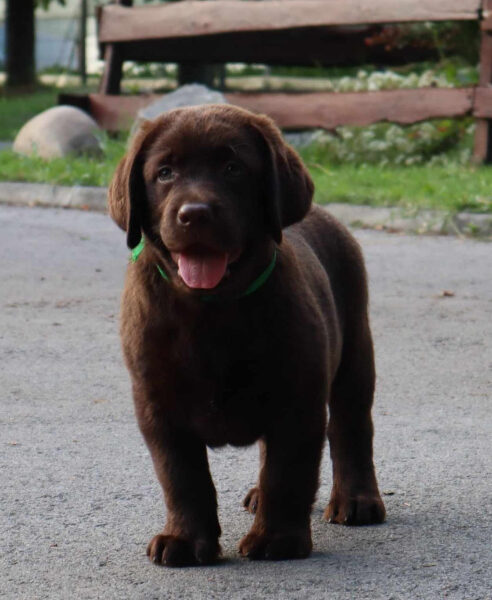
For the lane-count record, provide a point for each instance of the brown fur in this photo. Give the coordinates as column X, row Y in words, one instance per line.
column 240, row 370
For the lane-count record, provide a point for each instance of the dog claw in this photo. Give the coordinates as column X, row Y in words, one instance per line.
column 174, row 551
column 280, row 546
column 362, row 509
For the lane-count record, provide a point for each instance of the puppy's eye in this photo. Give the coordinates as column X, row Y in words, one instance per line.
column 165, row 173
column 234, row 169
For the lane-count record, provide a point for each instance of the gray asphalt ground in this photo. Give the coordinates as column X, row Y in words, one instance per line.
column 79, row 500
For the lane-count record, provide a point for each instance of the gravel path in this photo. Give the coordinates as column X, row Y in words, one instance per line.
column 79, row 499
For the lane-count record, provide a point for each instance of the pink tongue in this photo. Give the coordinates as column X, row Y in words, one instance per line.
column 202, row 270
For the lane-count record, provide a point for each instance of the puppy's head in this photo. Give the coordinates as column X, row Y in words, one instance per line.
column 211, row 187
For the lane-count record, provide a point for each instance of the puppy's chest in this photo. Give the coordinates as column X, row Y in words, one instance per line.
column 225, row 380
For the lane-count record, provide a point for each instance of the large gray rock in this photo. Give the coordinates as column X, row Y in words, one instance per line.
column 192, row 94
column 58, row 132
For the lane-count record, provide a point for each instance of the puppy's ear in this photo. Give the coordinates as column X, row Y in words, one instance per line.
column 126, row 192
column 288, row 186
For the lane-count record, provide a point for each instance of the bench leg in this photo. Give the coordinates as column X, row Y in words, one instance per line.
column 113, row 68
column 482, row 152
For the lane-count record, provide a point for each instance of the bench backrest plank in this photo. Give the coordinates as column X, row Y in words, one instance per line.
column 194, row 18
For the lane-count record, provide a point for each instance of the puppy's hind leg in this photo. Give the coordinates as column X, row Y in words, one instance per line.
column 355, row 498
column 250, row 502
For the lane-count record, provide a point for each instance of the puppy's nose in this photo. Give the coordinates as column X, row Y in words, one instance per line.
column 194, row 214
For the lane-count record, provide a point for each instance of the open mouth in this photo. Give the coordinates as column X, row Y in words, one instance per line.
column 201, row 267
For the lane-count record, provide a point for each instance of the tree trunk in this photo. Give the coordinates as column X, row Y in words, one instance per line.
column 19, row 47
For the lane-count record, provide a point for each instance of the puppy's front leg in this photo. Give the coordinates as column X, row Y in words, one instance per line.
column 286, row 490
column 192, row 529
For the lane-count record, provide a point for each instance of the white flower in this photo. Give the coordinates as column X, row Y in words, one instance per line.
column 377, row 145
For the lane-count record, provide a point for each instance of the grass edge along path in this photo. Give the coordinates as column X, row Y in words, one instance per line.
column 452, row 188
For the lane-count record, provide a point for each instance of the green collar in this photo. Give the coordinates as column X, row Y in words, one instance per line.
column 252, row 287
column 137, row 251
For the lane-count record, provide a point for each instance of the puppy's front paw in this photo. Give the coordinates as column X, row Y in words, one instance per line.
column 277, row 546
column 174, row 551
column 250, row 501
column 359, row 509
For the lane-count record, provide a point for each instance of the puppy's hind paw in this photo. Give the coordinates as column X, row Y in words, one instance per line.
column 250, row 502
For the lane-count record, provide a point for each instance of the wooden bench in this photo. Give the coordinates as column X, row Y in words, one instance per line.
column 296, row 32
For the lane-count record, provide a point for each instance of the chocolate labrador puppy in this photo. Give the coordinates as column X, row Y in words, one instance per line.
column 244, row 315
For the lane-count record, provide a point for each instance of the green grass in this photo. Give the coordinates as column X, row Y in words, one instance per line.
column 452, row 188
